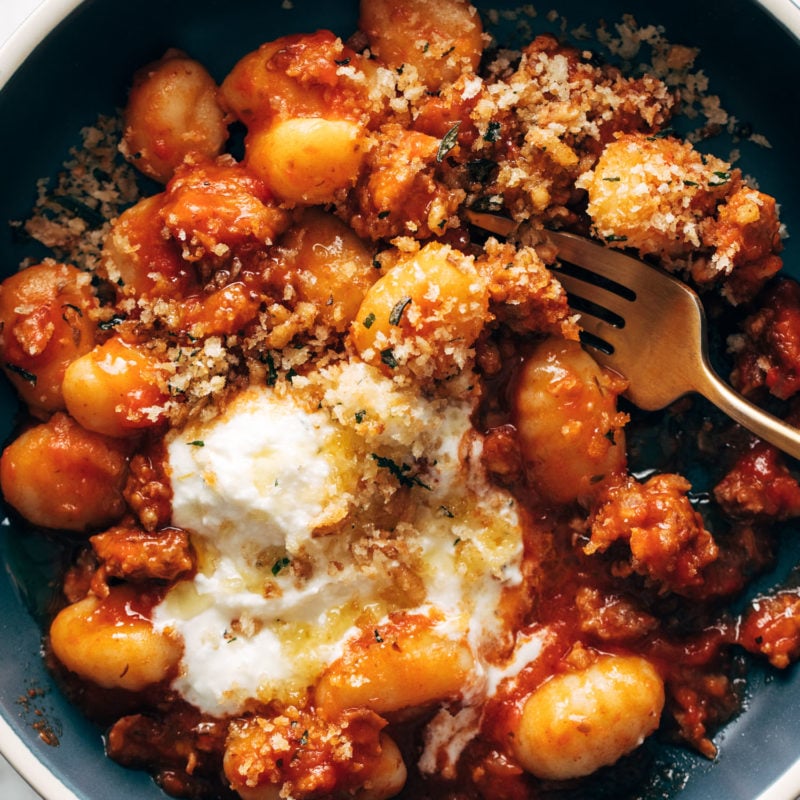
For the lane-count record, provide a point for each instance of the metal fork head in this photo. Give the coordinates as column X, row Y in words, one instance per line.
column 637, row 320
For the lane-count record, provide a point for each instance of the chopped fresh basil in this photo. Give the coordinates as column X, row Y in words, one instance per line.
column 723, row 178
column 492, row 132
column 387, row 357
column 280, row 564
column 272, row 373
column 400, row 472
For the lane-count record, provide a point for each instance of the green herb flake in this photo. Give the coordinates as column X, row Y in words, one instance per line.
column 304, row 739
column 280, row 564
column 614, row 238
column 723, row 178
column 492, row 132
column 690, row 183
column 383, row 214
column 378, row 637
column 397, row 312
column 360, row 415
column 400, row 472
column 369, row 320
column 272, row 373
column 447, row 512
column 615, row 179
column 448, row 142
column 197, row 443
column 387, row 357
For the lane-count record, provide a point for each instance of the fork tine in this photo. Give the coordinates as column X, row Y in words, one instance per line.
column 623, row 270
column 589, row 298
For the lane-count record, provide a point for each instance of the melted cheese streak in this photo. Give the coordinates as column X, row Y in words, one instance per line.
column 312, row 523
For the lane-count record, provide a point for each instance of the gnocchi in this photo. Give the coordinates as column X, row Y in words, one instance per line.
column 307, row 159
column 59, row 475
column 427, row 309
column 396, row 669
column 112, row 642
column 172, row 113
column 117, row 389
column 45, row 323
column 569, row 428
column 439, row 46
column 580, row 721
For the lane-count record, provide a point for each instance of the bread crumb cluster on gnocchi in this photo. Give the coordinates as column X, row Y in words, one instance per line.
column 349, row 510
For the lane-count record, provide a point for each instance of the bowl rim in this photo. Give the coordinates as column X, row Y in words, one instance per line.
column 20, row 44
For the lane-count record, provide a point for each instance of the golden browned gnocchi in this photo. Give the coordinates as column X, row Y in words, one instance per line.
column 580, row 721
column 654, row 193
column 409, row 666
column 308, row 159
column 425, row 312
column 569, row 428
column 112, row 642
column 328, row 265
column 62, row 476
column 45, row 323
column 440, row 45
column 117, row 389
column 172, row 113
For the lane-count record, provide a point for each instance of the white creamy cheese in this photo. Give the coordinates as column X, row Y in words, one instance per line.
column 281, row 501
column 257, row 476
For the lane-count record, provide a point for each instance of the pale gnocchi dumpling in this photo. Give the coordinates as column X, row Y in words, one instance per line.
column 580, row 721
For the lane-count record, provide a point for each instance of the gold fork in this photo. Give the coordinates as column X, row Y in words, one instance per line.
column 651, row 328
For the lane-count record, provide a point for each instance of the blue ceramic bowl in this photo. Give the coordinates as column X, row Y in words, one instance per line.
column 73, row 59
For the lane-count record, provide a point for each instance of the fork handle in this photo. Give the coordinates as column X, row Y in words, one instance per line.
column 764, row 425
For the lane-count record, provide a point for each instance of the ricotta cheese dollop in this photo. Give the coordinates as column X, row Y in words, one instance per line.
column 320, row 506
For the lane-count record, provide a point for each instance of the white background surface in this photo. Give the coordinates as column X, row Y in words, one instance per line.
column 12, row 13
